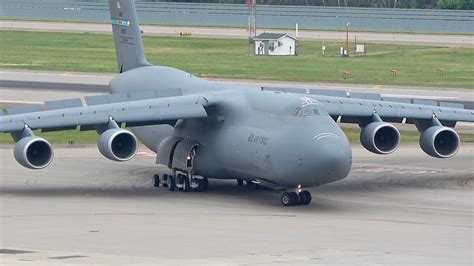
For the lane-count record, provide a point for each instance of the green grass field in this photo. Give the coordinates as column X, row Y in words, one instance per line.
column 229, row 58
column 91, row 137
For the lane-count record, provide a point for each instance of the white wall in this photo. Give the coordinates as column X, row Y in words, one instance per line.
column 257, row 45
column 283, row 49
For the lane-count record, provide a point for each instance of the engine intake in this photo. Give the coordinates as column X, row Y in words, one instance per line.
column 118, row 144
column 33, row 152
column 380, row 137
column 440, row 142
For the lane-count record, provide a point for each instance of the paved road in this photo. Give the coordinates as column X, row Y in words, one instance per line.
column 85, row 209
column 407, row 38
column 93, row 82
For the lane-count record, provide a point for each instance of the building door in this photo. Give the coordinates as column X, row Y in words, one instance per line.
column 266, row 45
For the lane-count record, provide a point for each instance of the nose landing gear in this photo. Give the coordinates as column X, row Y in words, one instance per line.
column 305, row 197
column 299, row 197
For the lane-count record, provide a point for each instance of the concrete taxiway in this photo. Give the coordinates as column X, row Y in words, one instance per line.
column 451, row 40
column 405, row 208
column 97, row 83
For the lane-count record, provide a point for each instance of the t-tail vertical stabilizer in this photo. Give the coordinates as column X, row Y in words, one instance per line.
column 128, row 42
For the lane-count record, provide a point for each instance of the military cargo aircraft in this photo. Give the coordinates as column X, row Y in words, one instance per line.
column 285, row 139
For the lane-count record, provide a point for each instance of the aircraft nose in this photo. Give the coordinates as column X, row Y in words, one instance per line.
column 317, row 160
column 333, row 158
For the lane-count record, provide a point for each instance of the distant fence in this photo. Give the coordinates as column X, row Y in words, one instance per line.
column 325, row 18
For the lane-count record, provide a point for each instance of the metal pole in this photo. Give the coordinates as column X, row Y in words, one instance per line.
column 347, row 38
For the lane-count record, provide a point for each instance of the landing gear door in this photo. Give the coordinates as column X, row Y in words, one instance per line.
column 164, row 153
column 184, row 155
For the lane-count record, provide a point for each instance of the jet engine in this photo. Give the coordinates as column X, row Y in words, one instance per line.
column 440, row 141
column 33, row 152
column 380, row 137
column 118, row 144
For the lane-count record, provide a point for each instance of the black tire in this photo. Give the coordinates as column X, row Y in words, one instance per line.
column 186, row 184
column 205, row 184
column 302, row 198
column 299, row 200
column 200, row 185
column 305, row 198
column 295, row 198
column 171, row 182
column 287, row 199
column 156, row 180
column 179, row 180
column 250, row 184
column 165, row 179
column 240, row 182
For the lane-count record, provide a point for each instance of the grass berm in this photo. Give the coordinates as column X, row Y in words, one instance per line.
column 229, row 58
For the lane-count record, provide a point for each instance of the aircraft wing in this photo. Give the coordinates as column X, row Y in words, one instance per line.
column 360, row 107
column 71, row 113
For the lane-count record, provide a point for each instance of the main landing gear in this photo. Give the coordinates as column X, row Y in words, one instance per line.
column 299, row 197
column 181, row 181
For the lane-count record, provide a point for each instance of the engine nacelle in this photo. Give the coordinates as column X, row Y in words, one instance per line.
column 440, row 142
column 33, row 152
column 380, row 137
column 118, row 144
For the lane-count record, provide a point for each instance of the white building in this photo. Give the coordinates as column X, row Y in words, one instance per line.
column 275, row 44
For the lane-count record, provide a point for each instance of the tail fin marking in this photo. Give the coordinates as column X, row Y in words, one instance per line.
column 128, row 41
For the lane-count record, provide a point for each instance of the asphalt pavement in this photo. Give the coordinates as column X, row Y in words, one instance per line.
column 84, row 209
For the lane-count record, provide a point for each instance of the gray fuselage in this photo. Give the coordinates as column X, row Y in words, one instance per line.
column 250, row 134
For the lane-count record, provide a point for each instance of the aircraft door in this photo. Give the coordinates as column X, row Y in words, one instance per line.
column 183, row 156
column 165, row 151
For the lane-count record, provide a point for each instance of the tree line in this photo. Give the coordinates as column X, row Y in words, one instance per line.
column 429, row 4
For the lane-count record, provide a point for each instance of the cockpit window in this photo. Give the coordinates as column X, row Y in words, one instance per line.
column 309, row 107
column 298, row 112
column 310, row 110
